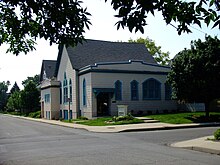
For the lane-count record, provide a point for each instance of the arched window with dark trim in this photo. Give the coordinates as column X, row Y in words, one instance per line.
column 84, row 92
column 118, row 90
column 151, row 89
column 61, row 93
column 134, row 90
column 70, row 89
column 65, row 89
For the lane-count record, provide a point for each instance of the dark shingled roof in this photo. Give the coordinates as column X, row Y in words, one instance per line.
column 94, row 51
column 49, row 66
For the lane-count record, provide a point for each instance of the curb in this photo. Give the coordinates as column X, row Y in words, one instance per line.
column 172, row 127
column 203, row 149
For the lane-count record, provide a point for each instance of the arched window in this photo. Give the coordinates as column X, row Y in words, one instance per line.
column 134, row 90
column 84, row 92
column 61, row 93
column 168, row 91
column 118, row 90
column 151, row 89
column 65, row 89
column 71, row 92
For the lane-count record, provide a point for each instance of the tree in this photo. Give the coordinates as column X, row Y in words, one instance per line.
column 133, row 13
column 22, row 21
column 35, row 79
column 30, row 97
column 64, row 21
column 14, row 101
column 14, row 88
column 161, row 57
column 195, row 73
column 3, row 93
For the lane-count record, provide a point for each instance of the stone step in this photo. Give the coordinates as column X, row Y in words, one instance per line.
column 148, row 120
column 144, row 118
column 151, row 121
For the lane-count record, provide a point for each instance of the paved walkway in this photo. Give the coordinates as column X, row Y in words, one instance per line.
column 200, row 144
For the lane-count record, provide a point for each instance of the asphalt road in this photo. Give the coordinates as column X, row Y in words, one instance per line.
column 24, row 142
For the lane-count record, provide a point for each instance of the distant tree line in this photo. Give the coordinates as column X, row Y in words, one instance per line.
column 22, row 101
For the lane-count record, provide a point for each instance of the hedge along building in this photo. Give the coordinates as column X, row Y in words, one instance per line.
column 92, row 79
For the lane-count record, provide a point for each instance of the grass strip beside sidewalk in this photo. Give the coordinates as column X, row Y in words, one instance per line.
column 186, row 118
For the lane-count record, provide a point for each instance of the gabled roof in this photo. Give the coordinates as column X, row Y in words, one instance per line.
column 94, row 51
column 48, row 66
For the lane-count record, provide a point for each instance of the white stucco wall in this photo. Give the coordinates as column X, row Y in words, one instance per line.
column 108, row 79
column 50, row 87
column 65, row 66
column 86, row 110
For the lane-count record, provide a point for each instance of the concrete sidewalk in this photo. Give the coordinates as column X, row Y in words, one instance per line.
column 200, row 144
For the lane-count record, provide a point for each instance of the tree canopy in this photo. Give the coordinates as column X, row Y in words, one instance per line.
column 35, row 79
column 30, row 98
column 133, row 13
column 3, row 93
column 22, row 21
column 14, row 88
column 161, row 57
column 64, row 21
column 195, row 72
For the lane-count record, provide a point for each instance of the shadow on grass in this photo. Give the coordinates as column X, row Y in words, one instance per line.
column 203, row 118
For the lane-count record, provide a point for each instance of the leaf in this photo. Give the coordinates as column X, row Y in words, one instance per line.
column 216, row 24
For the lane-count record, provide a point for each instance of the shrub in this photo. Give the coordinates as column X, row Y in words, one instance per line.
column 123, row 118
column 217, row 134
column 35, row 114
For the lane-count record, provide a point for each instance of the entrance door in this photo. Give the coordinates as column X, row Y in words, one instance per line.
column 103, row 100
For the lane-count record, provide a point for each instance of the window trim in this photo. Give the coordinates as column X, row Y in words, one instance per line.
column 65, row 89
column 70, row 91
column 132, row 90
column 143, row 90
column 118, row 98
column 84, row 92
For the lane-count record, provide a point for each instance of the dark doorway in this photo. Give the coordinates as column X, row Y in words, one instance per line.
column 103, row 100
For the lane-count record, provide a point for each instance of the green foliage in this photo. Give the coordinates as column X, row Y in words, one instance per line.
column 36, row 114
column 195, row 73
column 35, row 79
column 14, row 101
column 14, row 88
column 122, row 118
column 3, row 94
column 161, row 57
column 217, row 134
column 105, row 121
column 22, row 21
column 30, row 97
column 186, row 118
column 64, row 22
column 133, row 13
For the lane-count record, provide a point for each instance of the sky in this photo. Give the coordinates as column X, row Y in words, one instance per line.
column 18, row 68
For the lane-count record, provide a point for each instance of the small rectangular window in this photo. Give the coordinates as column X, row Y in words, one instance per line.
column 47, row 98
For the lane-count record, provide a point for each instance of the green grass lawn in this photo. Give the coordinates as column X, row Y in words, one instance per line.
column 104, row 121
column 185, row 118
